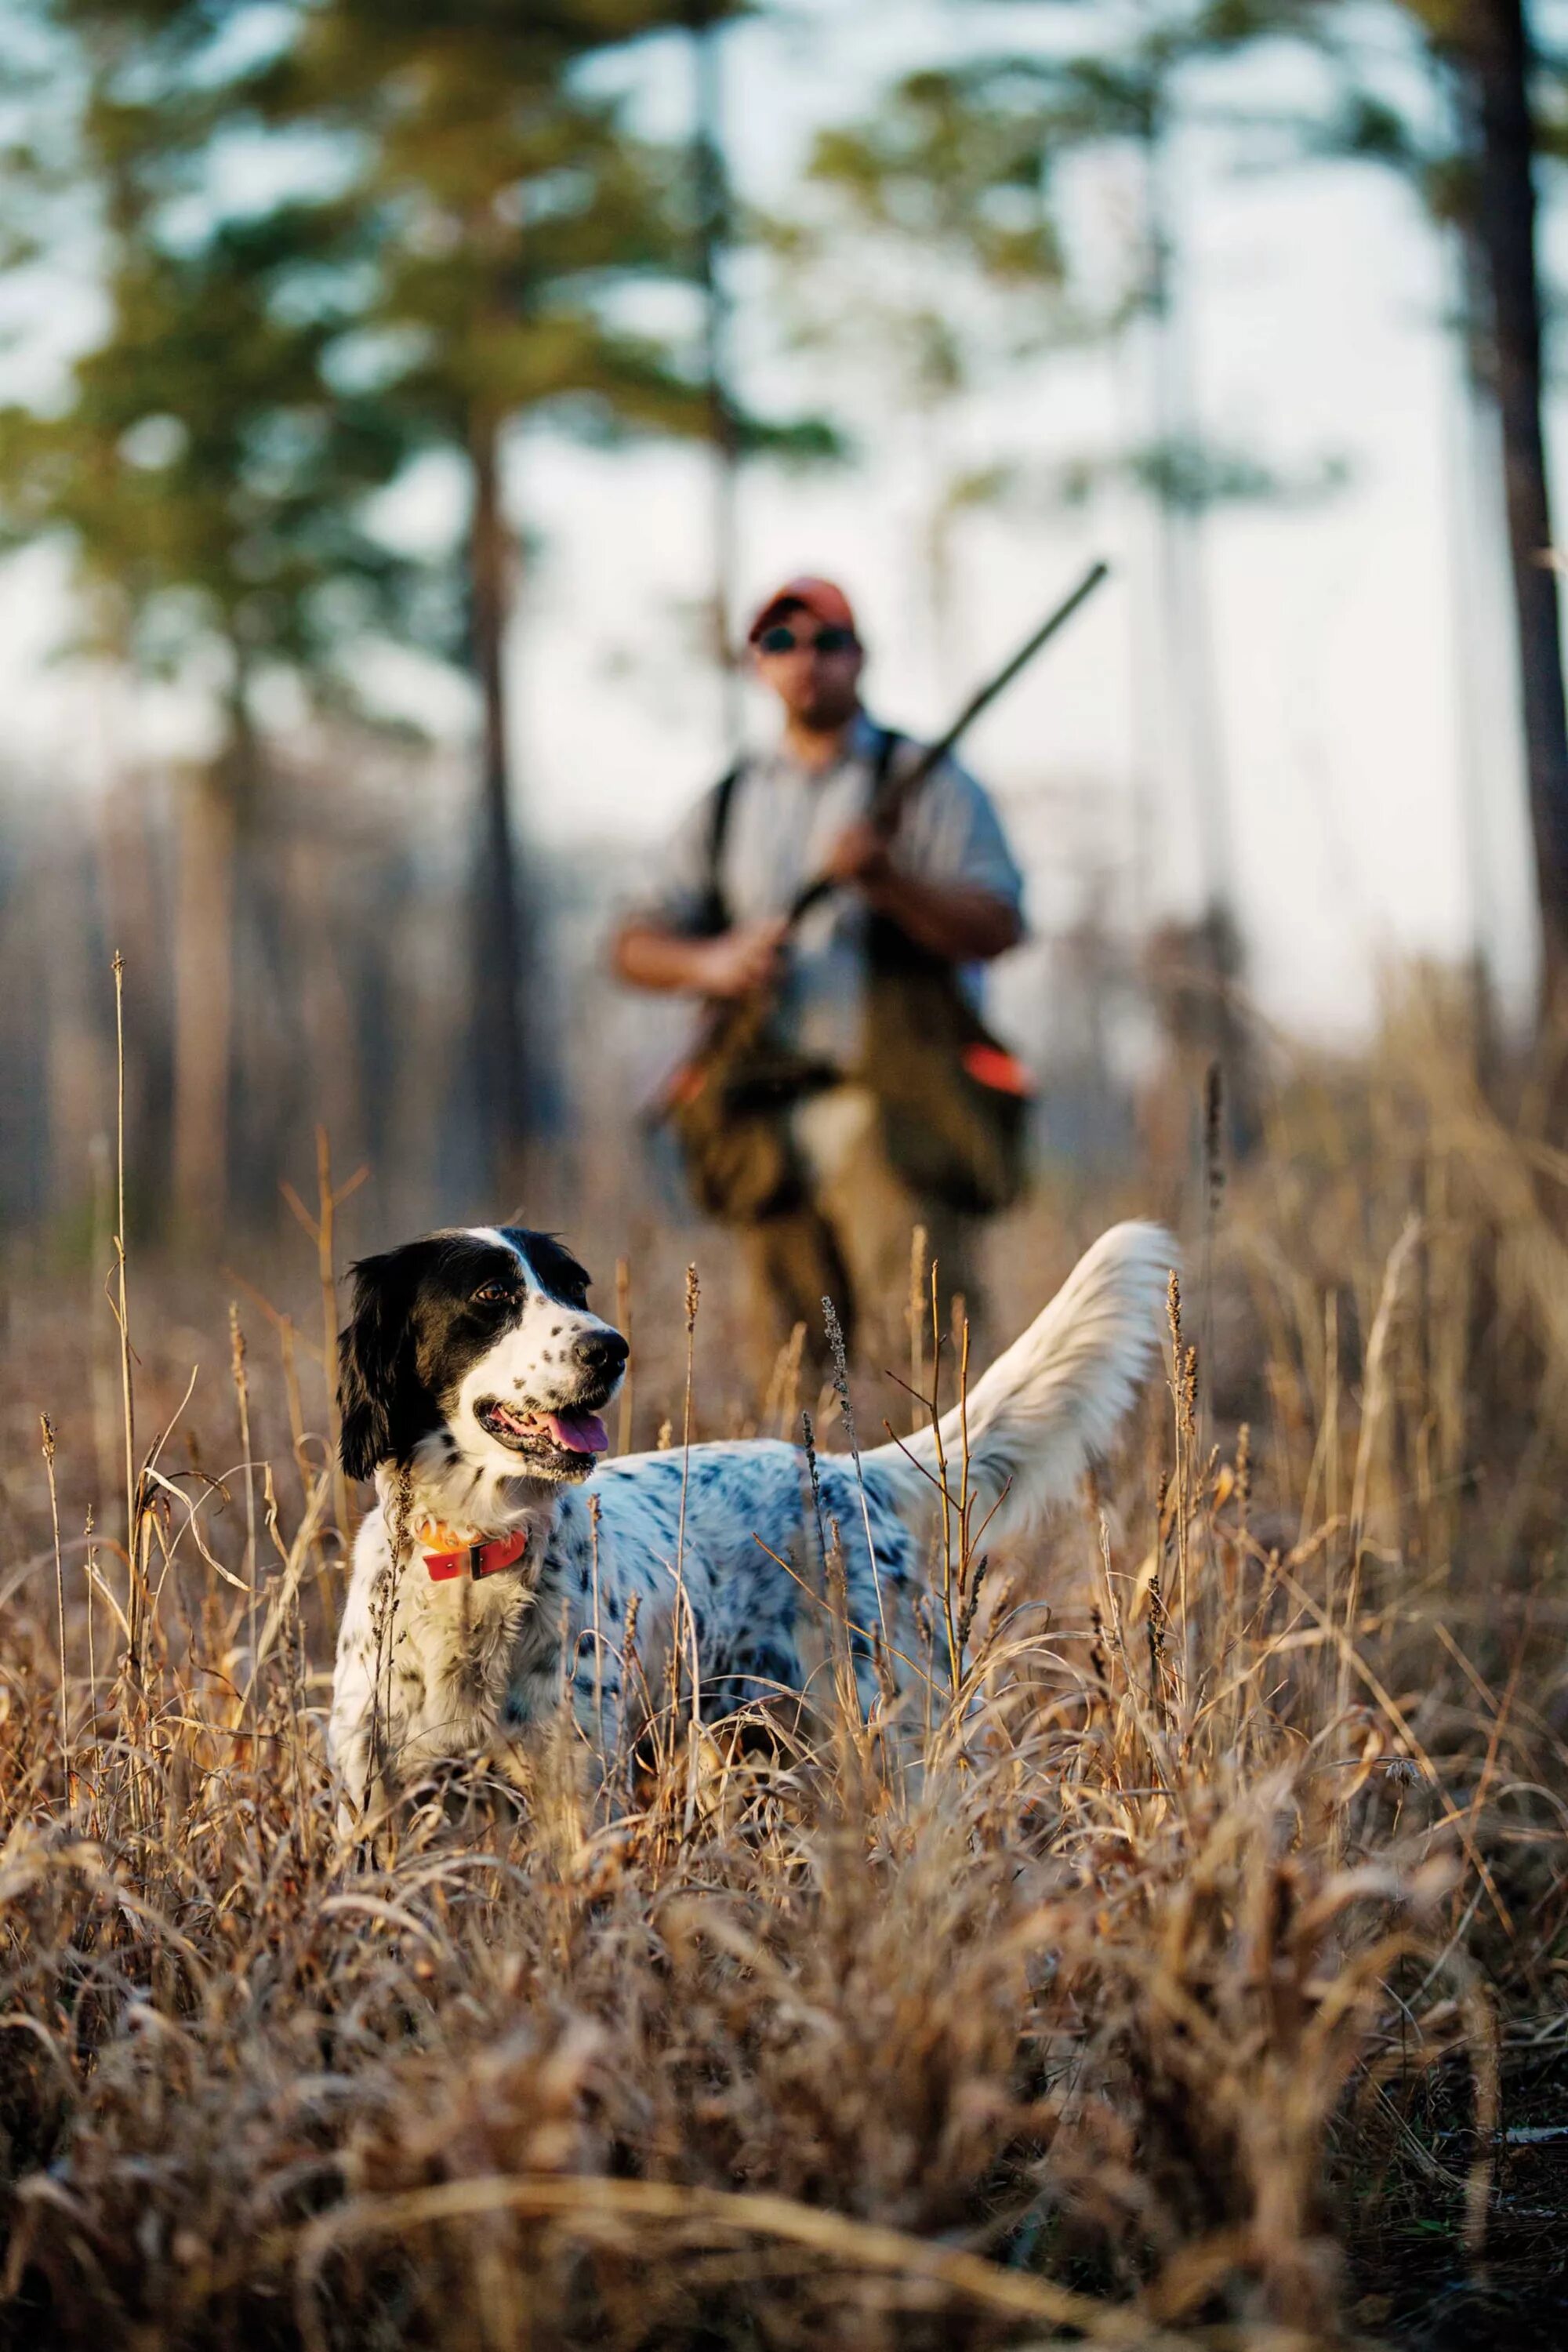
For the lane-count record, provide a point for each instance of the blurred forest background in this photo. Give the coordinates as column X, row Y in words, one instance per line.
column 407, row 402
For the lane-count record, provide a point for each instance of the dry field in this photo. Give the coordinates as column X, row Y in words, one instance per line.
column 1200, row 1977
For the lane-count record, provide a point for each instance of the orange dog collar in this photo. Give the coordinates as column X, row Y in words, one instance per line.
column 476, row 1560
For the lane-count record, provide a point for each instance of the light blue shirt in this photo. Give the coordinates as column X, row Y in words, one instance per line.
column 783, row 817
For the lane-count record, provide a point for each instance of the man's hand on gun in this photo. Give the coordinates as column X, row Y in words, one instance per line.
column 858, row 853
column 740, row 962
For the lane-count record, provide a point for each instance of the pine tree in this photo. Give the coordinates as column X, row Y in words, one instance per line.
column 1031, row 110
column 923, row 250
column 1477, row 172
column 957, row 170
column 515, row 209
column 209, row 477
column 714, row 233
column 468, row 275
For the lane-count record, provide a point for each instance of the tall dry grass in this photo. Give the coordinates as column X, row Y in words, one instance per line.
column 1182, row 1980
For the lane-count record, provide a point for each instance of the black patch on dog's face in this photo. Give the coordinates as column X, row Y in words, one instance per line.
column 424, row 1315
column 557, row 1270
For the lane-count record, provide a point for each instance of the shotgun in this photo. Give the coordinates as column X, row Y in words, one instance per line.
column 935, row 753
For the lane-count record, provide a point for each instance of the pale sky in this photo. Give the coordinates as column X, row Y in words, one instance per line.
column 1370, row 742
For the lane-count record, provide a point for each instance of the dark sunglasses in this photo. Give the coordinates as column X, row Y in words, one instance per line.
column 782, row 639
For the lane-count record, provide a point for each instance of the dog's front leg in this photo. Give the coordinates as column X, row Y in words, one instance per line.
column 558, row 1732
column 364, row 1794
column 355, row 1750
column 595, row 1697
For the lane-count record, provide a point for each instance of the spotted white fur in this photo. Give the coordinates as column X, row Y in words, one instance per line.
column 428, row 1671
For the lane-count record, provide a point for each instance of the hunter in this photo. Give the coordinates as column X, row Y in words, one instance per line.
column 829, row 1168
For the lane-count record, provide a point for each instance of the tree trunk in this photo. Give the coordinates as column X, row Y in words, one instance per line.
column 1186, row 636
column 203, row 995
column 711, row 190
column 1497, row 57
column 497, row 941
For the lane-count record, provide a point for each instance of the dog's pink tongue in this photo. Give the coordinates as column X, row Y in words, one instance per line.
column 579, row 1432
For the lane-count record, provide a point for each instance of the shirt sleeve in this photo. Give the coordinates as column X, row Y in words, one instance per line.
column 951, row 833
column 676, row 895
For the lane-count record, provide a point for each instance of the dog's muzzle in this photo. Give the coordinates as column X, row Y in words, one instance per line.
column 564, row 1438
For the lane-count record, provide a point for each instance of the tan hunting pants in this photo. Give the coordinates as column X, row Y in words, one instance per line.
column 851, row 1242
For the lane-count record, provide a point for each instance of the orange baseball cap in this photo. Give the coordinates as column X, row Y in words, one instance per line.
column 823, row 598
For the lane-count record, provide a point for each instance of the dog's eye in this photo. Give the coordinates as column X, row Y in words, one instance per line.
column 491, row 1294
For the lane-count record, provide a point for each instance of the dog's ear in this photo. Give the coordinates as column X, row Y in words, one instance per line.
column 372, row 1354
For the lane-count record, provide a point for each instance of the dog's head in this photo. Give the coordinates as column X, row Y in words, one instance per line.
column 483, row 1335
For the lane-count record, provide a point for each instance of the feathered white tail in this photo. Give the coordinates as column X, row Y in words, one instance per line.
column 1052, row 1403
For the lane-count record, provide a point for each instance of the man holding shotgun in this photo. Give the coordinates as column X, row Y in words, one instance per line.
column 833, row 901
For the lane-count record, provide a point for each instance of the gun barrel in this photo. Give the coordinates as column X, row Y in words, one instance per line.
column 935, row 753
column 987, row 694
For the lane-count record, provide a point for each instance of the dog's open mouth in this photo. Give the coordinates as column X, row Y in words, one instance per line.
column 575, row 1433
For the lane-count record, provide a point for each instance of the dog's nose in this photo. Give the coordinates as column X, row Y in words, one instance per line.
column 603, row 1352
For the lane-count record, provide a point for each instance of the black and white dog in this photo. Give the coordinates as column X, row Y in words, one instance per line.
column 474, row 1374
